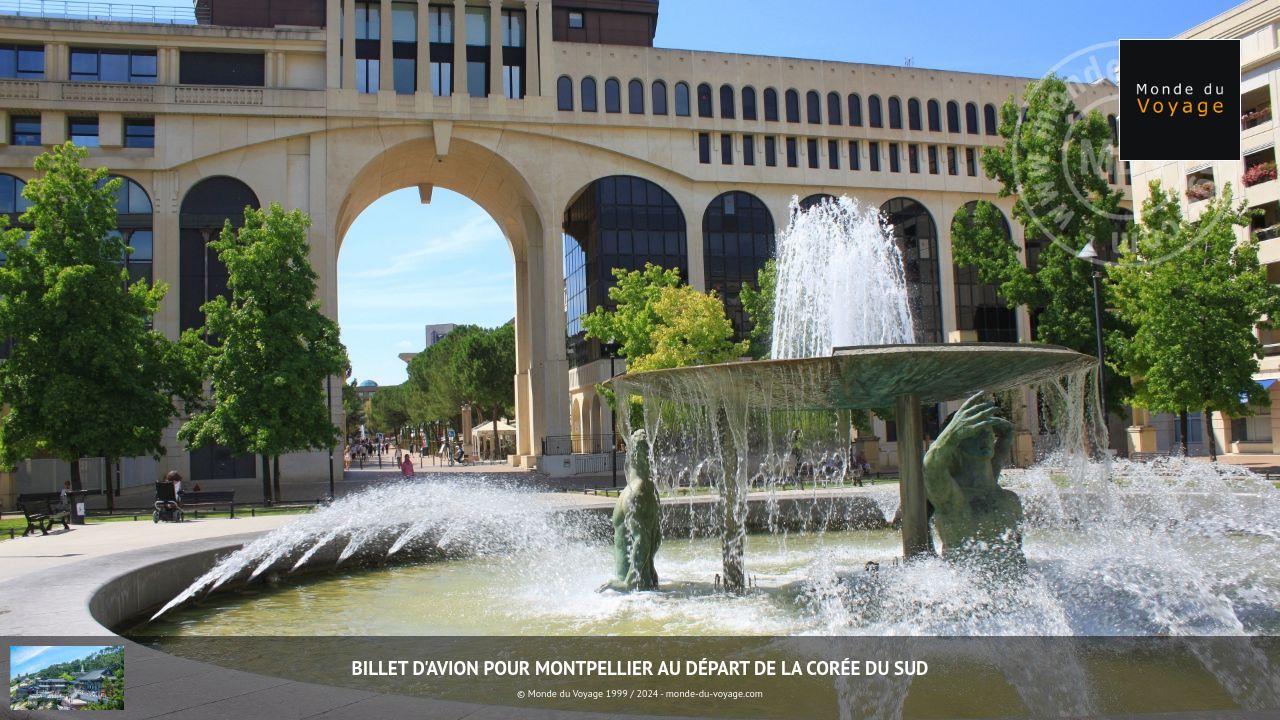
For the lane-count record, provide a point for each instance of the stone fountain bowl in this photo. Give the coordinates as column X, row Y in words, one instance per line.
column 870, row 376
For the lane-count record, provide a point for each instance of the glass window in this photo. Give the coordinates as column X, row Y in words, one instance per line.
column 478, row 27
column 441, row 79
column 953, row 167
column 895, row 113
column 979, row 306
column 440, row 25
column 704, row 101
column 793, row 153
column 749, row 103
column 993, row 126
column 682, row 99
column 855, row 110
column 83, row 131
column 834, row 116
column 913, row 158
column 726, row 149
column 368, row 21
column 24, row 130
column 933, row 159
column 704, row 148
column 855, row 162
column 576, row 21
column 404, row 22
column 873, row 156
column 771, row 151
column 917, row 240
column 477, row 78
column 833, row 154
column 11, row 200
column 588, row 94
column 113, row 67
column 971, row 161
column 793, row 106
column 404, row 72
column 935, row 116
column 513, row 28
column 971, row 118
column 564, row 93
column 612, row 96
column 953, row 116
column 873, row 111
column 131, row 199
column 913, row 114
column 738, row 239
column 770, row 105
column 635, row 97
column 24, row 62
column 748, row 150
column 895, row 163
column 813, row 107
column 140, row 132
column 811, row 149
column 118, row 66
column 366, row 75
column 659, row 97
column 726, row 102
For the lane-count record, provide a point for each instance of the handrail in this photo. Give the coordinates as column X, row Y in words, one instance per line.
column 106, row 11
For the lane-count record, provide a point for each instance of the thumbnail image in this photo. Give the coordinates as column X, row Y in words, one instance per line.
column 66, row 677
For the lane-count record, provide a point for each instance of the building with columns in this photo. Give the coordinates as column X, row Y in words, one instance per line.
column 589, row 147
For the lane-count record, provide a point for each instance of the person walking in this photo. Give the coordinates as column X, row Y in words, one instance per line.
column 406, row 466
column 346, row 458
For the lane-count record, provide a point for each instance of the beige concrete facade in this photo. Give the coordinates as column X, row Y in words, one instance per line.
column 1257, row 25
column 308, row 139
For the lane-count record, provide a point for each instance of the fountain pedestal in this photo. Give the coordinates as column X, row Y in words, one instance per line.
column 915, row 516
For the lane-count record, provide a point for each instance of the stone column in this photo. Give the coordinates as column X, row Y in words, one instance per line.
column 386, row 62
column 333, row 43
column 495, row 48
column 915, row 519
column 532, row 76
column 424, row 49
column 349, row 44
column 57, row 61
column 694, row 242
column 460, row 48
column 545, row 63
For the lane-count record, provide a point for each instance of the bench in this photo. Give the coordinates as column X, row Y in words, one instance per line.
column 1143, row 457
column 41, row 514
column 210, row 498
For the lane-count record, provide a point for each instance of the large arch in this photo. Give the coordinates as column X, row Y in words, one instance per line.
column 475, row 168
column 917, row 238
column 738, row 239
column 979, row 307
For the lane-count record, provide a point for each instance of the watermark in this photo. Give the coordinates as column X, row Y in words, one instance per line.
column 1088, row 171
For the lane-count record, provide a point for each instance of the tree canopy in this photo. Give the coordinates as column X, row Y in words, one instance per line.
column 1193, row 294
column 469, row 365
column 87, row 375
column 270, row 348
column 758, row 305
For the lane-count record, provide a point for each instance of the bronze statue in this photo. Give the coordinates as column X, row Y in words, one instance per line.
column 636, row 531
column 974, row 516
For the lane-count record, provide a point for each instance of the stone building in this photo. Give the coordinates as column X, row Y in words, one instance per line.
column 589, row 147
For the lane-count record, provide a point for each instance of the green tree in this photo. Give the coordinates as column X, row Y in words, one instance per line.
column 87, row 375
column 1056, row 166
column 1194, row 295
column 270, row 348
column 758, row 305
column 432, row 373
column 483, row 368
column 352, row 408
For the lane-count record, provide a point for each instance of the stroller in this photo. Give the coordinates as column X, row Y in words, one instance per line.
column 166, row 505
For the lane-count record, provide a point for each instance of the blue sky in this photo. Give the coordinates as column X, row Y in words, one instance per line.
column 24, row 659
column 404, row 265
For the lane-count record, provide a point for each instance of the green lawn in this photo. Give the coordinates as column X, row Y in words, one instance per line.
column 18, row 523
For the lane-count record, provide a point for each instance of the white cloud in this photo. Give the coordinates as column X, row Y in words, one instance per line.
column 27, row 653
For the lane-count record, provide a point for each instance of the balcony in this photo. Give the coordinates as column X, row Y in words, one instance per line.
column 105, row 12
column 1254, row 118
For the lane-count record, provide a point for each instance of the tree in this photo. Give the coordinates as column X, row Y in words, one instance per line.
column 270, row 347
column 1194, row 295
column 352, row 408
column 758, row 305
column 484, row 367
column 431, row 373
column 1055, row 165
column 389, row 409
column 87, row 375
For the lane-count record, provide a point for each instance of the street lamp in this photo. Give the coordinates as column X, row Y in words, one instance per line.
column 1088, row 254
column 611, row 348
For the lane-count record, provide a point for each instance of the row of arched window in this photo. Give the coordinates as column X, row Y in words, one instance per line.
column 836, row 110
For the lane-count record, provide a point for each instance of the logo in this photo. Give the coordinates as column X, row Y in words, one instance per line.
column 1180, row 99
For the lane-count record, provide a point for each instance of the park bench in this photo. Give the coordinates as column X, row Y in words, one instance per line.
column 1144, row 457
column 210, row 498
column 41, row 513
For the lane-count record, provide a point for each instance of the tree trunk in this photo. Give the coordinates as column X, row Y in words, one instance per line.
column 496, row 453
column 266, row 480
column 1183, row 427
column 275, row 476
column 75, row 474
column 1208, row 431
column 111, row 495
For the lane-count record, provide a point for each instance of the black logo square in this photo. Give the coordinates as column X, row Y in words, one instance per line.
column 1180, row 99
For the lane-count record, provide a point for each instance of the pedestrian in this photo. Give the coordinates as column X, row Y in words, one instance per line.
column 65, row 495
column 397, row 455
column 406, row 466
column 346, row 458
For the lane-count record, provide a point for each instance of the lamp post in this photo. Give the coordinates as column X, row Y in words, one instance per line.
column 611, row 348
column 328, row 397
column 1088, row 254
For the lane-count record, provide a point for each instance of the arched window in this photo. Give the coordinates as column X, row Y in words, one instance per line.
column 770, row 105
column 133, row 222
column 749, row 103
column 834, row 116
column 816, row 199
column 564, row 93
column 971, row 118
column 202, row 277
column 813, row 107
column 935, row 116
column 1115, row 129
column 704, row 101
column 682, row 99
column 992, row 124
column 737, row 237
column 588, row 94
column 618, row 221
column 612, row 96
column 635, row 97
column 855, row 110
column 953, row 116
column 979, row 306
column 12, row 204
column 917, row 238
column 913, row 115
column 659, row 92
column 873, row 112
column 726, row 102
column 793, row 106
column 895, row 113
